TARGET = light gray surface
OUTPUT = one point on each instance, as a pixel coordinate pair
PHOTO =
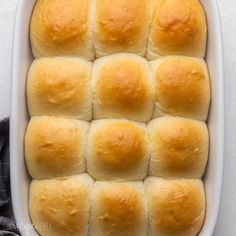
(227, 220)
(7, 12)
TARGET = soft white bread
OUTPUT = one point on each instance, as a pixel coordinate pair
(122, 87)
(60, 207)
(176, 207)
(60, 86)
(62, 27)
(182, 87)
(118, 208)
(178, 28)
(55, 147)
(121, 26)
(117, 149)
(178, 147)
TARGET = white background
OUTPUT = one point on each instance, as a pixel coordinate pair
(227, 219)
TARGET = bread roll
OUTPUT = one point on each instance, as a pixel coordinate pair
(121, 26)
(118, 208)
(176, 207)
(117, 149)
(60, 207)
(182, 87)
(62, 27)
(55, 147)
(122, 88)
(178, 146)
(178, 28)
(60, 86)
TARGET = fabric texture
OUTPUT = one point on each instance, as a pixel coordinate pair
(7, 221)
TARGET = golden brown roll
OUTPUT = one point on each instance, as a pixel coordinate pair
(178, 28)
(122, 87)
(178, 146)
(60, 86)
(121, 26)
(55, 147)
(118, 208)
(182, 87)
(176, 207)
(62, 27)
(60, 207)
(117, 149)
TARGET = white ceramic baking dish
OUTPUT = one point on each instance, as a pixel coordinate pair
(22, 59)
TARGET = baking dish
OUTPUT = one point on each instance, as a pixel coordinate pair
(22, 59)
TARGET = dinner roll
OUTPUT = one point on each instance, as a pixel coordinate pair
(179, 147)
(60, 86)
(117, 149)
(60, 207)
(121, 26)
(122, 87)
(182, 87)
(178, 28)
(55, 147)
(118, 208)
(176, 207)
(62, 27)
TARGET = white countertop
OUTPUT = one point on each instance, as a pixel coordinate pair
(227, 219)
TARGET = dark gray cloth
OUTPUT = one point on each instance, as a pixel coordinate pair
(7, 221)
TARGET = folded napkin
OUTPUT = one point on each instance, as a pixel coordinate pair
(7, 221)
